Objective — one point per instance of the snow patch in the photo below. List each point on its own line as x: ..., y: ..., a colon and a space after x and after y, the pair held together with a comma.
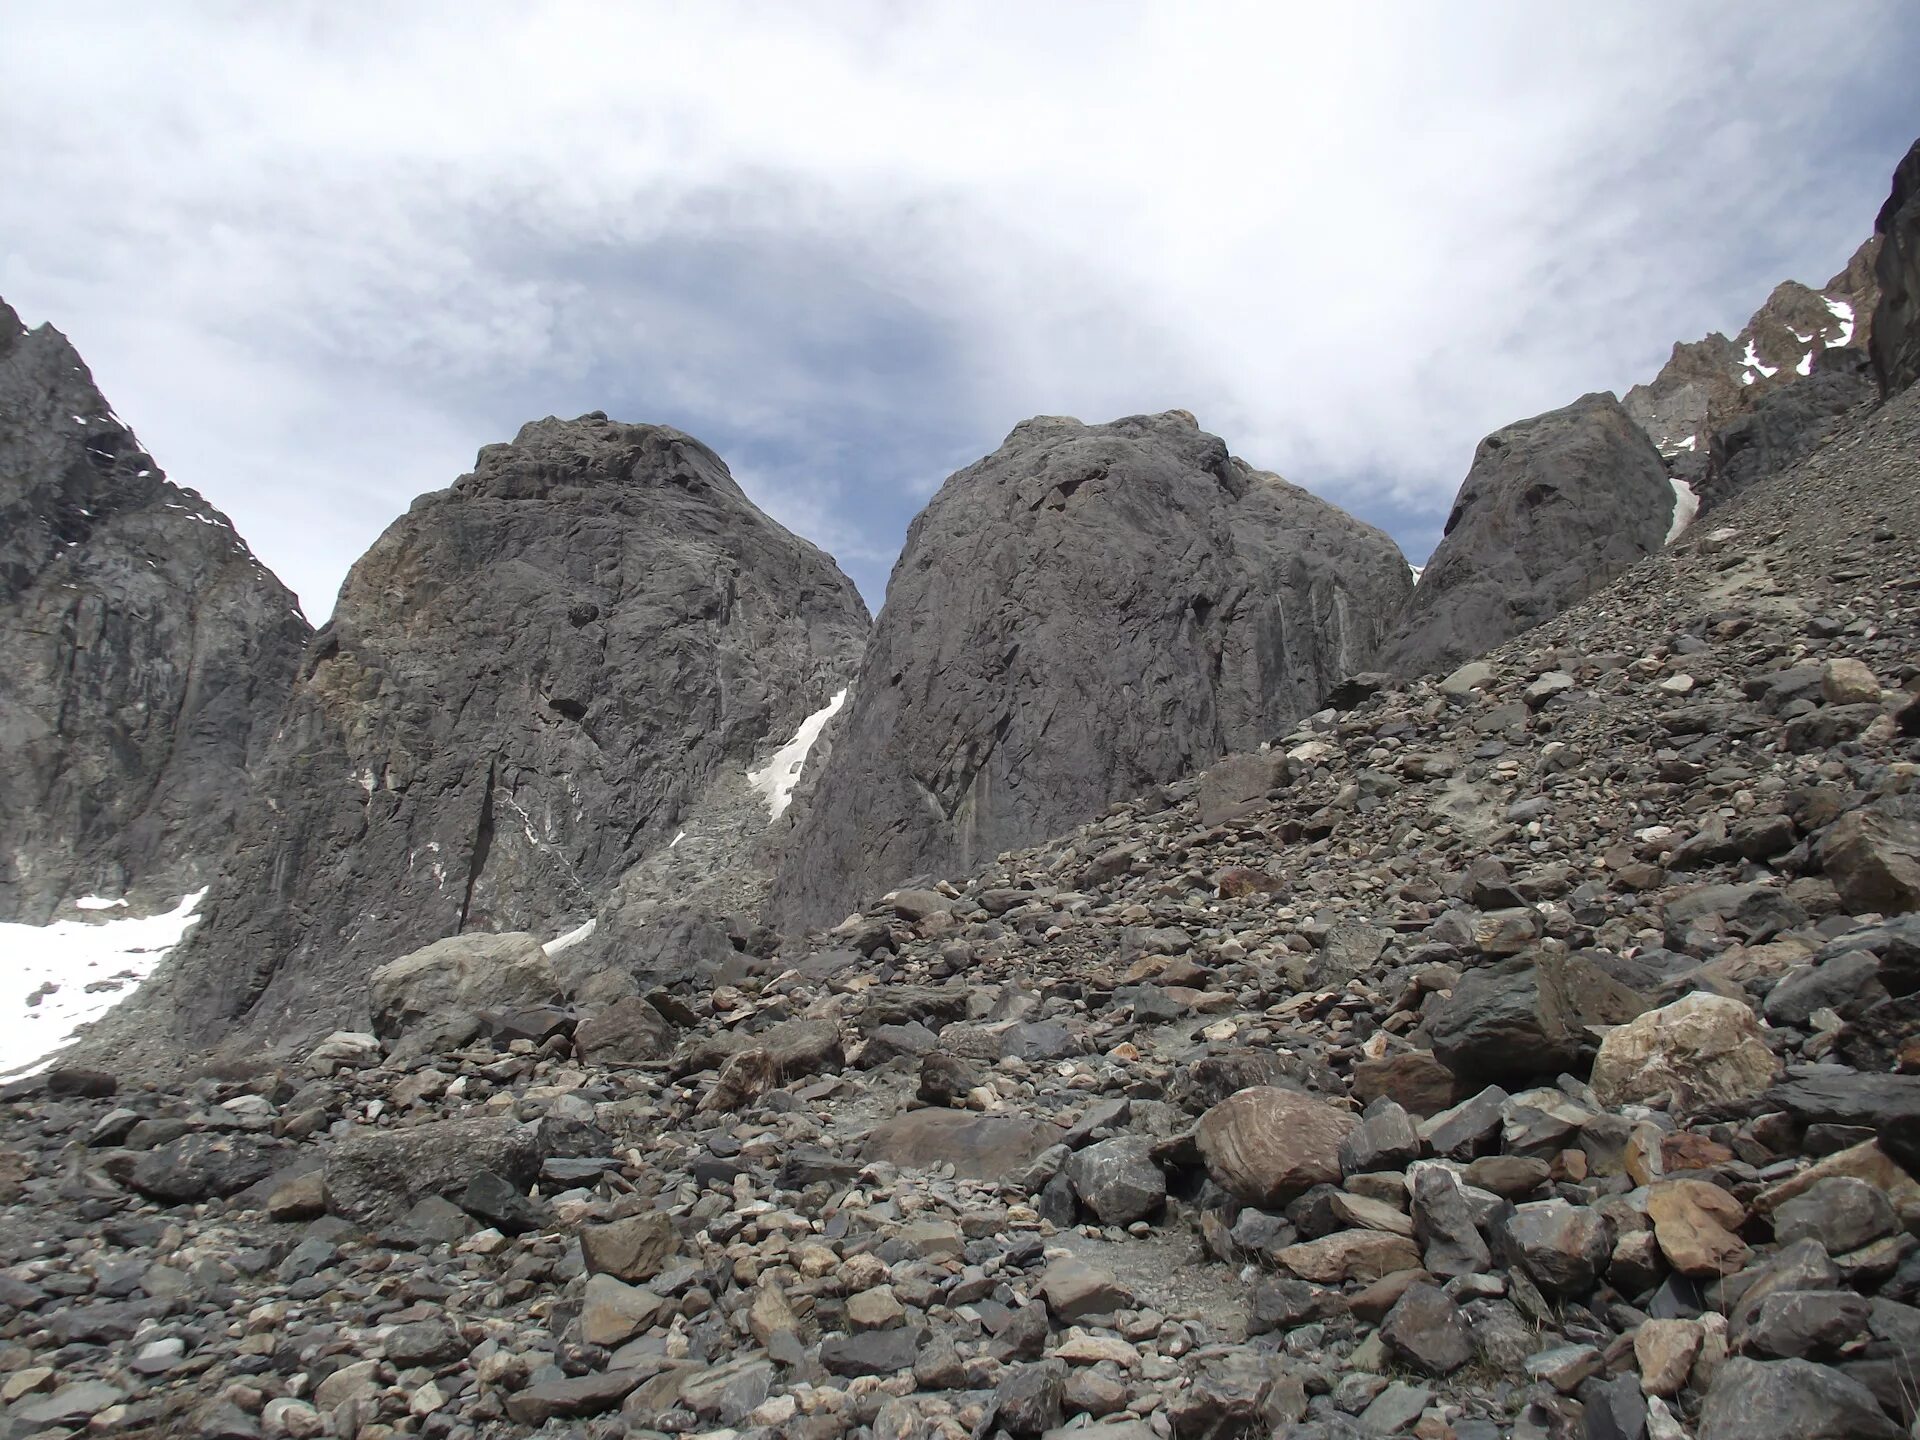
x: 676, y: 839
x: 572, y: 938
x: 1418, y: 571
x: 776, y: 780
x: 1751, y: 359
x: 1686, y: 505
x: 91, y: 965
x: 1805, y: 367
x: 1843, y: 312
x: 96, y: 902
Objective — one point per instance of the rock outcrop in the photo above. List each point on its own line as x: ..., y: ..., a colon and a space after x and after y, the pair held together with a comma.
x: 145, y: 654
x: 1553, y: 509
x: 1895, y: 344
x: 527, y: 685
x: 1707, y: 385
x: 1088, y: 611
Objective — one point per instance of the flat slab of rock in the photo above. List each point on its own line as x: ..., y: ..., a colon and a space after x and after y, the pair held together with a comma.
x: 979, y: 1147
x: 375, y: 1176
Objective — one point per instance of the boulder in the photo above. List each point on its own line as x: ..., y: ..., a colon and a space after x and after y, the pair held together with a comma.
x: 1703, y: 1049
x: 1265, y: 1145
x: 1872, y: 855
x: 631, y: 1031
x: 1426, y: 1331
x: 979, y: 1147
x: 1237, y: 783
x: 1118, y: 1181
x: 631, y: 1249
x: 1694, y: 1223
x: 375, y: 1176
x: 1561, y: 1246
x: 1790, y: 1400
x: 1528, y: 1018
x: 469, y: 973
x: 199, y: 1167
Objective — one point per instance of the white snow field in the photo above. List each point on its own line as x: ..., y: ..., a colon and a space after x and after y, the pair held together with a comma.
x: 79, y: 969
x: 775, y: 781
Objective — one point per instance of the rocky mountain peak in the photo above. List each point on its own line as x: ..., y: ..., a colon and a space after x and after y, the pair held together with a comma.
x: 1090, y: 610
x: 1707, y: 384
x: 530, y: 682
x: 145, y: 653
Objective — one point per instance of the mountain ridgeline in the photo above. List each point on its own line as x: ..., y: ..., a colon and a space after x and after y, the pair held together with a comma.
x: 544, y: 690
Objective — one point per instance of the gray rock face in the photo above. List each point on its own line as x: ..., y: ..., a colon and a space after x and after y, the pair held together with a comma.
x: 1553, y: 508
x: 1088, y: 611
x: 145, y: 655
x: 1895, y: 344
x: 528, y: 683
x: 1789, y: 423
x: 1708, y: 385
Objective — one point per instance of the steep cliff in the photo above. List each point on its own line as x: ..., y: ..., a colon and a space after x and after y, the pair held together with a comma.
x: 145, y: 655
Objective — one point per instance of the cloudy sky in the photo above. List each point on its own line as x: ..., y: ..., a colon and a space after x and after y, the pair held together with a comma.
x: 318, y: 254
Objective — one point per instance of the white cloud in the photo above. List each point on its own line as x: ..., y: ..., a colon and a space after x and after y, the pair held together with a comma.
x: 318, y: 254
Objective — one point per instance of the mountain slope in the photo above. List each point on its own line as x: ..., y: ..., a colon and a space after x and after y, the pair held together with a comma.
x: 526, y: 686
x: 145, y: 654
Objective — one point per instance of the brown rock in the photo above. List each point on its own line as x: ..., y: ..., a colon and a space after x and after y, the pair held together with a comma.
x: 1694, y: 1222
x: 1362, y: 1255
x: 1416, y: 1080
x: 628, y: 1032
x: 1665, y: 1351
x: 302, y: 1197
x: 979, y: 1147
x: 1267, y: 1146
x: 1872, y: 855
x: 632, y: 1249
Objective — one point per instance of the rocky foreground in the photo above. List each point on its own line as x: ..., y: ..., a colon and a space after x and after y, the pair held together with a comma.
x: 1526, y: 1053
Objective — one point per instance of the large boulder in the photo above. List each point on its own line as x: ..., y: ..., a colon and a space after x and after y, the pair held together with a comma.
x: 528, y: 685
x: 1087, y: 611
x: 145, y: 654
x: 1703, y: 1049
x: 1896, y: 323
x: 979, y: 1147
x: 375, y: 1176
x: 468, y: 973
x: 1532, y: 1017
x: 1266, y: 1146
x: 1552, y: 509
x: 1790, y: 1400
x: 1872, y: 855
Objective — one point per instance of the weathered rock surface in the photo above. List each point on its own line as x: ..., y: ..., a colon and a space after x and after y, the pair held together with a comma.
x: 1088, y: 611
x: 145, y: 654
x: 463, y: 973
x: 1896, y: 323
x: 1552, y: 509
x: 526, y: 686
x: 1700, y: 1050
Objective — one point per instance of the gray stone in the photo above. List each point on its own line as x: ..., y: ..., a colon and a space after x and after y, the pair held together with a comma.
x: 1561, y: 1246
x: 1790, y: 1400
x: 1118, y: 1181
x: 462, y: 973
x: 375, y: 1176
x: 1427, y: 1331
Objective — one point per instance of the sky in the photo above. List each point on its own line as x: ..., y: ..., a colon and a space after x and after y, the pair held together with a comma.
x: 317, y: 255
